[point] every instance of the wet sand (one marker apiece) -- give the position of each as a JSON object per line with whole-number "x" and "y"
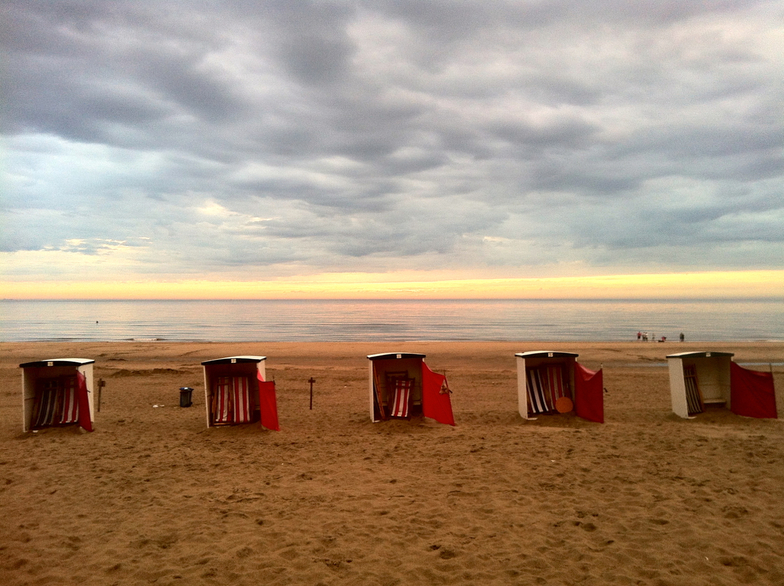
{"x": 154, "y": 496}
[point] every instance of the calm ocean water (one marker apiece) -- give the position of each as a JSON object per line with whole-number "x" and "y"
{"x": 389, "y": 320}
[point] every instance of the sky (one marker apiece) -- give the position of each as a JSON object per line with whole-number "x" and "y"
{"x": 401, "y": 148}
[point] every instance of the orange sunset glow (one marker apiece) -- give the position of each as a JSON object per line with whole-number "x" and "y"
{"x": 719, "y": 284}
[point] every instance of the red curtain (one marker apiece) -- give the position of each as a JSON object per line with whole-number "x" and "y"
{"x": 268, "y": 403}
{"x": 752, "y": 393}
{"x": 588, "y": 393}
{"x": 84, "y": 402}
{"x": 436, "y": 403}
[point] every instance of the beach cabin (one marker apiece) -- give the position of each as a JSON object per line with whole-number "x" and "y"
{"x": 554, "y": 382}
{"x": 236, "y": 391}
{"x": 57, "y": 392}
{"x": 402, "y": 386}
{"x": 701, "y": 380}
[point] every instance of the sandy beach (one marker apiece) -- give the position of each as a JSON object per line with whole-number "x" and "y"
{"x": 154, "y": 496}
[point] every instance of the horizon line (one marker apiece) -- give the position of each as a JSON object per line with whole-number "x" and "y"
{"x": 321, "y": 299}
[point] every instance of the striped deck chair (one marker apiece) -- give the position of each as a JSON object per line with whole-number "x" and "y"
{"x": 69, "y": 401}
{"x": 390, "y": 382}
{"x": 693, "y": 395}
{"x": 401, "y": 397}
{"x": 221, "y": 401}
{"x": 536, "y": 394}
{"x": 46, "y": 403}
{"x": 555, "y": 383}
{"x": 240, "y": 388}
{"x": 231, "y": 400}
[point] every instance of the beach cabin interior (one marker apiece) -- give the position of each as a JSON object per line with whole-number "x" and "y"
{"x": 57, "y": 392}
{"x": 402, "y": 386}
{"x": 395, "y": 385}
{"x": 555, "y": 383}
{"x": 545, "y": 383}
{"x": 234, "y": 391}
{"x": 699, "y": 380}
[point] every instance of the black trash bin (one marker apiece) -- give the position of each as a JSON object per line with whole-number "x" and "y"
{"x": 185, "y": 396}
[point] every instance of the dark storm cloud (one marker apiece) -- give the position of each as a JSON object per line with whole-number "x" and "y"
{"x": 376, "y": 135}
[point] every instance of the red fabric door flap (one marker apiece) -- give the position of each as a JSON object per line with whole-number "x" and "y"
{"x": 436, "y": 403}
{"x": 752, "y": 393}
{"x": 588, "y": 393}
{"x": 84, "y": 402}
{"x": 268, "y": 404}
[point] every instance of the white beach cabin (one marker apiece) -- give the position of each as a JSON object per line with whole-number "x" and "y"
{"x": 57, "y": 392}
{"x": 699, "y": 380}
{"x": 554, "y": 382}
{"x": 401, "y": 385}
{"x": 236, "y": 391}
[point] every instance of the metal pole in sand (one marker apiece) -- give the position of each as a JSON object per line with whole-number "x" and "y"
{"x": 101, "y": 385}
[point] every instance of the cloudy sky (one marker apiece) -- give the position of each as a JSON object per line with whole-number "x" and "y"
{"x": 235, "y": 143}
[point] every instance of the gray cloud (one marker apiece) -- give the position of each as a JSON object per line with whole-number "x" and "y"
{"x": 371, "y": 136}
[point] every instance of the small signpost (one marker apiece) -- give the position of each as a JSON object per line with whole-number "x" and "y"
{"x": 101, "y": 385}
{"x": 311, "y": 381}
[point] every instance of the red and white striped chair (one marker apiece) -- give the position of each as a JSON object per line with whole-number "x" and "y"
{"x": 555, "y": 382}
{"x": 69, "y": 401}
{"x": 401, "y": 397}
{"x": 56, "y": 402}
{"x": 241, "y": 396}
{"x": 537, "y": 397}
{"x": 231, "y": 400}
{"x": 45, "y": 402}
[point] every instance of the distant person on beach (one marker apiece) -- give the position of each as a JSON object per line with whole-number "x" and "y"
{"x": 682, "y": 337}
{"x": 639, "y": 335}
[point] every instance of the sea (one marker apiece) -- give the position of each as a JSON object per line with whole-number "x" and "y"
{"x": 393, "y": 320}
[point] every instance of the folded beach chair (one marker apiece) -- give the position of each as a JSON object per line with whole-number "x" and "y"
{"x": 693, "y": 395}
{"x": 221, "y": 401}
{"x": 223, "y": 407}
{"x": 56, "y": 402}
{"x": 401, "y": 397}
{"x": 46, "y": 403}
{"x": 555, "y": 383}
{"x": 231, "y": 400}
{"x": 536, "y": 392}
{"x": 69, "y": 401}
{"x": 241, "y": 397}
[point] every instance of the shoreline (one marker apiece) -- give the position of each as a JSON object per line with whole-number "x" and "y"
{"x": 638, "y": 351}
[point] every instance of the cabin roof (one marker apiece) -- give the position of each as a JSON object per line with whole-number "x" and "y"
{"x": 545, "y": 354}
{"x": 699, "y": 354}
{"x": 394, "y": 356}
{"x": 57, "y": 362}
{"x": 235, "y": 360}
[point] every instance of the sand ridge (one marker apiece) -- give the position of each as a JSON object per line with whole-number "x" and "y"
{"x": 154, "y": 496}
